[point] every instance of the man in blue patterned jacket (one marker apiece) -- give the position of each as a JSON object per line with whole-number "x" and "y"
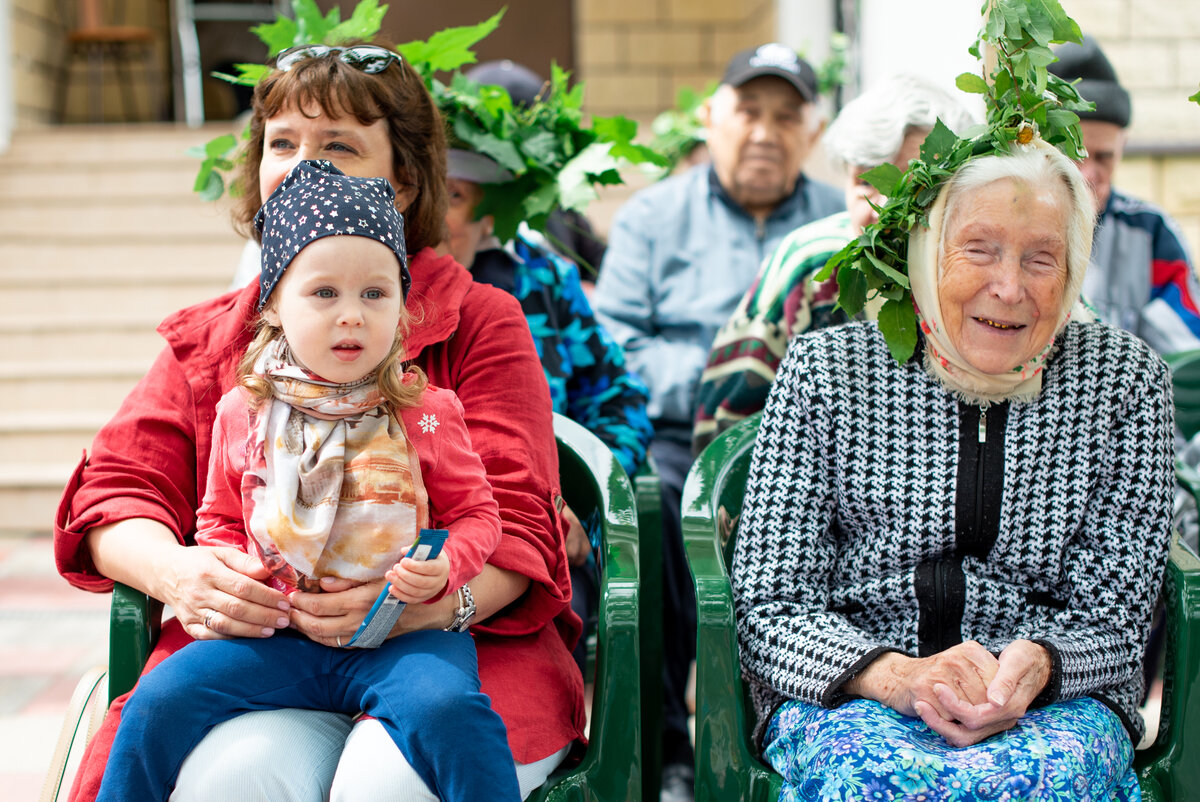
{"x": 1141, "y": 277}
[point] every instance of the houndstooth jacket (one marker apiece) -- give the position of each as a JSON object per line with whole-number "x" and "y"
{"x": 852, "y": 497}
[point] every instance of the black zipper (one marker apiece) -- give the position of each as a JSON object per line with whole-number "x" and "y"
{"x": 981, "y": 449}
{"x": 939, "y": 602}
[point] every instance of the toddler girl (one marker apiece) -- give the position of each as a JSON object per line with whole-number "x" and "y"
{"x": 328, "y": 459}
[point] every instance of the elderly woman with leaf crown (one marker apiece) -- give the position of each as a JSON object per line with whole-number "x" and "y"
{"x": 955, "y": 526}
{"x": 128, "y": 513}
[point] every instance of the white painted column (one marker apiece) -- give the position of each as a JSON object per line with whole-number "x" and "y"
{"x": 926, "y": 37}
{"x": 8, "y": 107}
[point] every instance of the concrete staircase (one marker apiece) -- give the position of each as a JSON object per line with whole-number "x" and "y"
{"x": 100, "y": 238}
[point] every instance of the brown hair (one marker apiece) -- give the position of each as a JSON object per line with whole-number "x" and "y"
{"x": 389, "y": 374}
{"x": 397, "y": 94}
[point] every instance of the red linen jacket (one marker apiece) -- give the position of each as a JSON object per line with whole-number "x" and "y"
{"x": 151, "y": 460}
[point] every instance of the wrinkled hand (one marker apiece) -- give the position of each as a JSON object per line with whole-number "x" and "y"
{"x": 223, "y": 586}
{"x": 414, "y": 581}
{"x": 334, "y": 615}
{"x": 907, "y": 684}
{"x": 1024, "y": 668}
{"x": 578, "y": 544}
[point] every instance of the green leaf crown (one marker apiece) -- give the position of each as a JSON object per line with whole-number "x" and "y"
{"x": 554, "y": 159}
{"x": 1023, "y": 100}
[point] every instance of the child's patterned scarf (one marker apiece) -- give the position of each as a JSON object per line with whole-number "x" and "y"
{"x": 332, "y": 485}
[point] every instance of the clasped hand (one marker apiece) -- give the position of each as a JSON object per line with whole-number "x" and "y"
{"x": 965, "y": 694}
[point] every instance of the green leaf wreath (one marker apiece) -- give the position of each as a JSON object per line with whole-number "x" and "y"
{"x": 556, "y": 161}
{"x": 1023, "y": 100}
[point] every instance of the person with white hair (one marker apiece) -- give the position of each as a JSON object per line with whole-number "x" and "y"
{"x": 884, "y": 125}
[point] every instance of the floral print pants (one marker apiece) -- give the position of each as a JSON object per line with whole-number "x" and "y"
{"x": 1075, "y": 750}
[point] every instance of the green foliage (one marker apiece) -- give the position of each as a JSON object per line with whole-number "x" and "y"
{"x": 216, "y": 156}
{"x": 1195, "y": 98}
{"x": 677, "y": 131}
{"x": 448, "y": 49}
{"x": 555, "y": 160}
{"x": 1023, "y": 100}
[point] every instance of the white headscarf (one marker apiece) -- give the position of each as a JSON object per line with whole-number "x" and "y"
{"x": 942, "y": 359}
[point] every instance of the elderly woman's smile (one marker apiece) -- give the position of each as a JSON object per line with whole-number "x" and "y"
{"x": 1004, "y": 269}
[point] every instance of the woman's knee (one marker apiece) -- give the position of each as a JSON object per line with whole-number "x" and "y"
{"x": 287, "y": 755}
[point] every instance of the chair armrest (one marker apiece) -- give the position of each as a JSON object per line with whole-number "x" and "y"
{"x": 726, "y": 765}
{"x": 1169, "y": 769}
{"x": 593, "y": 481}
{"x": 135, "y": 621}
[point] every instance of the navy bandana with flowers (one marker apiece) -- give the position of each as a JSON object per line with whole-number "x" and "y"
{"x": 318, "y": 200}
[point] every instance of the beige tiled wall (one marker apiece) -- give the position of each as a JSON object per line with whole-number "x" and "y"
{"x": 636, "y": 54}
{"x": 1155, "y": 48}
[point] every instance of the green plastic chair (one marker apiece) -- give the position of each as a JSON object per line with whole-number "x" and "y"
{"x": 649, "y": 518}
{"x": 727, "y": 767}
{"x": 610, "y": 769}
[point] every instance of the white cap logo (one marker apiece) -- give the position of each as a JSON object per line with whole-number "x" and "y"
{"x": 776, "y": 55}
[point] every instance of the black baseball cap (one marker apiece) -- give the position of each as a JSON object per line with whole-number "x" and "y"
{"x": 774, "y": 59}
{"x": 1098, "y": 82}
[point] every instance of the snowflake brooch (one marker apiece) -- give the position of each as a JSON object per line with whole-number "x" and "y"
{"x": 428, "y": 423}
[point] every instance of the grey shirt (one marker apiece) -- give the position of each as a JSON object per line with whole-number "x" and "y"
{"x": 681, "y": 254}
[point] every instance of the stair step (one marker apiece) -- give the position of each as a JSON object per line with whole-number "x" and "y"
{"x": 130, "y": 145}
{"x": 125, "y": 259}
{"x": 171, "y": 179}
{"x": 107, "y": 302}
{"x": 29, "y": 495}
{"x": 70, "y": 219}
{"x": 68, "y": 387}
{"x": 40, "y": 439}
{"x": 139, "y": 342}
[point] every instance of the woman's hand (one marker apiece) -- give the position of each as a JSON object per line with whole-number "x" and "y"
{"x": 222, "y": 586}
{"x": 333, "y": 616}
{"x": 217, "y": 592}
{"x": 578, "y": 544}
{"x": 1024, "y": 669}
{"x": 906, "y": 684}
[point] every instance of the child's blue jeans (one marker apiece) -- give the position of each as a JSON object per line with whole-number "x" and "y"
{"x": 423, "y": 687}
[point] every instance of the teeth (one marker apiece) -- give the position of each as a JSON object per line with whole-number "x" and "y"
{"x": 996, "y": 325}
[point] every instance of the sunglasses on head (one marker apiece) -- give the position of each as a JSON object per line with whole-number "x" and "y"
{"x": 370, "y": 59}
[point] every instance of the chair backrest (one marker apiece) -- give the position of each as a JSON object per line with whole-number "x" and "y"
{"x": 1185, "y": 378}
{"x": 726, "y": 766}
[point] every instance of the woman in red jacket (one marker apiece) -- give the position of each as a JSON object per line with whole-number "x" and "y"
{"x": 128, "y": 512}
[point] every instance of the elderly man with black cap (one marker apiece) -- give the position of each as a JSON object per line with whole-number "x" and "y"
{"x": 1141, "y": 276}
{"x": 680, "y": 255}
